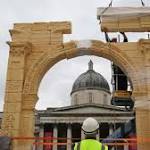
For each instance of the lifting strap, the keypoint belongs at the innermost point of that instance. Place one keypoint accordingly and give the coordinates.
(143, 4)
(110, 4)
(78, 146)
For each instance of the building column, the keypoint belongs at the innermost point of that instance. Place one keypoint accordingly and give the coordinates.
(111, 130)
(69, 137)
(126, 147)
(41, 135)
(97, 135)
(55, 136)
(82, 135)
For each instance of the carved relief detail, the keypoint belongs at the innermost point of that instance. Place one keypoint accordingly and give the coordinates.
(20, 48)
(145, 49)
(9, 119)
(145, 46)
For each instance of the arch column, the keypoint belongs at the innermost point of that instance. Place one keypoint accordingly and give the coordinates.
(27, 125)
(142, 102)
(11, 122)
(143, 128)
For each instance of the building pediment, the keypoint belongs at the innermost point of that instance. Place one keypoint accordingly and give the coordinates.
(91, 109)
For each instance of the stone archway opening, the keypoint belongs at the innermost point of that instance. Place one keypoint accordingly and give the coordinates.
(68, 68)
(56, 85)
(53, 82)
(64, 89)
(77, 49)
(71, 50)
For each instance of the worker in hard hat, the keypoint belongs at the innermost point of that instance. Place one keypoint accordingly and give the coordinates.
(90, 128)
(114, 40)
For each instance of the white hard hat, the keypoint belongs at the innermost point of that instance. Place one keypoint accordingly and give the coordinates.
(90, 126)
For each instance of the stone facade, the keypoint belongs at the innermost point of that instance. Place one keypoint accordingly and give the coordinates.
(64, 124)
(90, 96)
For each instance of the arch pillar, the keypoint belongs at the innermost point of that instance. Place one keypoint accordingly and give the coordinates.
(142, 109)
(27, 120)
(14, 88)
(143, 128)
(142, 97)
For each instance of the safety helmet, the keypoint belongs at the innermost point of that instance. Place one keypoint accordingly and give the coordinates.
(90, 126)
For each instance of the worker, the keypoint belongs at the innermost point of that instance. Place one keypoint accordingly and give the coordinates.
(125, 39)
(90, 128)
(108, 39)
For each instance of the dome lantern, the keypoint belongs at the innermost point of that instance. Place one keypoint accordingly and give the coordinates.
(90, 65)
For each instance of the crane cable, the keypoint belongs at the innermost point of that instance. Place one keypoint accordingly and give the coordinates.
(110, 5)
(111, 2)
(143, 4)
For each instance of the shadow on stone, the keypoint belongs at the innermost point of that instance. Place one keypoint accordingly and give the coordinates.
(5, 143)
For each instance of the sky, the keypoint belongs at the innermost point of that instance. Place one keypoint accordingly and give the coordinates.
(55, 87)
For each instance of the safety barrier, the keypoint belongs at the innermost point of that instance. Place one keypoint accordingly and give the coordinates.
(114, 142)
(48, 142)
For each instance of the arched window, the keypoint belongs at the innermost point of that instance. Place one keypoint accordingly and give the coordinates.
(105, 99)
(76, 99)
(90, 97)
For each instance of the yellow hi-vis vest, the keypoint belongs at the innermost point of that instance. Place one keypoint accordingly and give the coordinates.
(90, 144)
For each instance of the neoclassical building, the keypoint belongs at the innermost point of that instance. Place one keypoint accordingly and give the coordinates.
(90, 97)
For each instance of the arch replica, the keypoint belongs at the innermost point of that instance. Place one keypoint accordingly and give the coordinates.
(36, 47)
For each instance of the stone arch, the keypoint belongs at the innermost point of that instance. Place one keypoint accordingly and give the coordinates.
(74, 49)
(28, 63)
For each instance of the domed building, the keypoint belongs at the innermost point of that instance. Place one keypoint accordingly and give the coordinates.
(90, 97)
(90, 88)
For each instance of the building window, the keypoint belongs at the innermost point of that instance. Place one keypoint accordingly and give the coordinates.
(76, 99)
(90, 97)
(105, 99)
